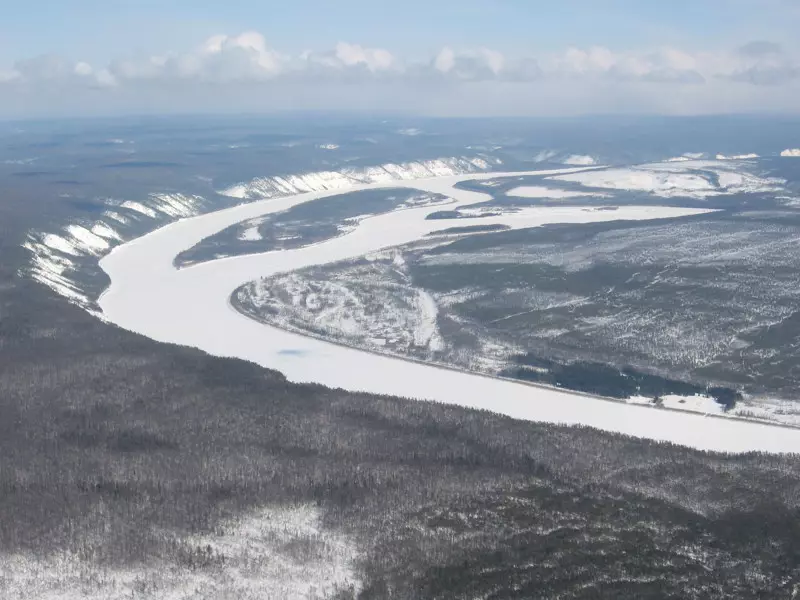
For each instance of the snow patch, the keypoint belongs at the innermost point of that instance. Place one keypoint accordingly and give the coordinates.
(49, 266)
(791, 153)
(85, 240)
(277, 552)
(139, 208)
(288, 185)
(737, 157)
(544, 155)
(426, 334)
(251, 233)
(535, 191)
(579, 160)
(102, 230)
(176, 205)
(698, 403)
(56, 242)
(693, 179)
(116, 217)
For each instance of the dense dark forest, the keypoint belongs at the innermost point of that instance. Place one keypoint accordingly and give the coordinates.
(604, 380)
(121, 451)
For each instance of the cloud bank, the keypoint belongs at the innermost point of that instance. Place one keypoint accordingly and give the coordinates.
(243, 72)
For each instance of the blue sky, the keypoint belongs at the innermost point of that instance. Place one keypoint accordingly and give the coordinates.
(100, 29)
(629, 41)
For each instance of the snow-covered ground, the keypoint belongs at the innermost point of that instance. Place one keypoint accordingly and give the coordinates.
(699, 403)
(691, 178)
(686, 156)
(791, 153)
(538, 191)
(191, 307)
(251, 232)
(276, 552)
(580, 159)
(375, 308)
(737, 156)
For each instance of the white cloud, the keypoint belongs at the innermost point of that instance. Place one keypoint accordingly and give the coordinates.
(445, 61)
(83, 69)
(763, 63)
(661, 65)
(245, 69)
(247, 57)
(8, 76)
(478, 64)
(375, 59)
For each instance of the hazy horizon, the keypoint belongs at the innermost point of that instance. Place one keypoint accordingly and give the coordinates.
(509, 58)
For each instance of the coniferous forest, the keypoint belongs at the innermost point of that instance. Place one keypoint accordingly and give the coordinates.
(120, 455)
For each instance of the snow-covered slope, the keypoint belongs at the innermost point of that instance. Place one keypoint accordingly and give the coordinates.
(287, 185)
(791, 153)
(58, 258)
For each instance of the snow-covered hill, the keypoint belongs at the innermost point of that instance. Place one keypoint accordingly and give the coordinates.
(60, 258)
(288, 185)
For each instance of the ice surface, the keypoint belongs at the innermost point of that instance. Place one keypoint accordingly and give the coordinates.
(191, 307)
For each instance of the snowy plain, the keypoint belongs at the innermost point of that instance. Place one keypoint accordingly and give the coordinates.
(538, 191)
(191, 306)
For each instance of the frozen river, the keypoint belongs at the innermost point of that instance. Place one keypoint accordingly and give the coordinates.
(190, 306)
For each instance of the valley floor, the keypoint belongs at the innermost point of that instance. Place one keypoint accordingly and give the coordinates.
(191, 307)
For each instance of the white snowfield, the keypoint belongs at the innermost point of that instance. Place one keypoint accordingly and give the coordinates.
(791, 153)
(679, 178)
(191, 306)
(580, 159)
(537, 191)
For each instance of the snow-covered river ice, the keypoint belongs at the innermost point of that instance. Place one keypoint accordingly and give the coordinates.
(191, 306)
